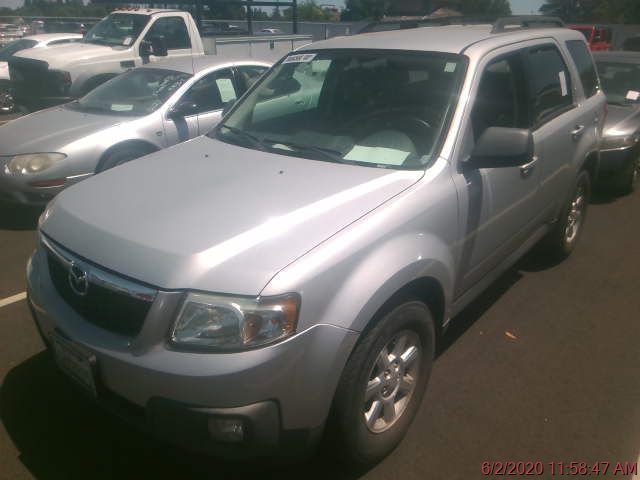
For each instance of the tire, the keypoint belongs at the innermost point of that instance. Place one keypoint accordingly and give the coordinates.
(120, 156)
(627, 179)
(361, 427)
(562, 239)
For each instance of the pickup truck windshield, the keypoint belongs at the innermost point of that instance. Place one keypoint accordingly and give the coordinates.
(620, 82)
(135, 93)
(117, 29)
(384, 109)
(15, 47)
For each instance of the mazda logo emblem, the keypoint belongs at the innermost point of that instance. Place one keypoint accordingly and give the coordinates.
(78, 280)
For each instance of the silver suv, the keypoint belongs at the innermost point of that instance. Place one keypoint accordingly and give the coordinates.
(288, 275)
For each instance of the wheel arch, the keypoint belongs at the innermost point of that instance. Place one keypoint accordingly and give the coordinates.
(148, 147)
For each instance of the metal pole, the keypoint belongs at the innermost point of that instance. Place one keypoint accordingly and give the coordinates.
(199, 15)
(294, 16)
(249, 17)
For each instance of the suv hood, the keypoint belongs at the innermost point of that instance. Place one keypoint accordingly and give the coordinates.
(211, 216)
(60, 57)
(622, 120)
(56, 128)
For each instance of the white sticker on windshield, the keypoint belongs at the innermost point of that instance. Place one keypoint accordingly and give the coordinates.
(563, 84)
(127, 41)
(378, 155)
(300, 58)
(633, 95)
(121, 108)
(450, 67)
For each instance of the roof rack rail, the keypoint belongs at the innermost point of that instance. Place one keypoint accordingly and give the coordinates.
(499, 24)
(517, 22)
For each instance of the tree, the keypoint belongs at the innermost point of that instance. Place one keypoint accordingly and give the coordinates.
(486, 7)
(361, 9)
(308, 11)
(603, 11)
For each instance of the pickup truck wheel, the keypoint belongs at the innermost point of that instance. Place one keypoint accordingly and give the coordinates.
(382, 385)
(562, 239)
(628, 178)
(120, 156)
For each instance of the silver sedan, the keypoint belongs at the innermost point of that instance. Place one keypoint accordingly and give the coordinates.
(137, 113)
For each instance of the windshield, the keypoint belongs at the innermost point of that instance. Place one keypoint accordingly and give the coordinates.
(135, 93)
(374, 108)
(117, 29)
(620, 82)
(14, 47)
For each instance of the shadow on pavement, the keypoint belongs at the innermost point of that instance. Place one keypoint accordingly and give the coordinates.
(19, 217)
(61, 434)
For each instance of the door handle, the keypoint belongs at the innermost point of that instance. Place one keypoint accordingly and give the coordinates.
(577, 132)
(527, 168)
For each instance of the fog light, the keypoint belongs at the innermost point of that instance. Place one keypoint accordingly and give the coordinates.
(229, 430)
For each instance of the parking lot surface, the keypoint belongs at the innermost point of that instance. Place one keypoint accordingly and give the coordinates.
(542, 367)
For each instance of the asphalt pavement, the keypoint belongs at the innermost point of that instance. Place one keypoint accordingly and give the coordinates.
(544, 367)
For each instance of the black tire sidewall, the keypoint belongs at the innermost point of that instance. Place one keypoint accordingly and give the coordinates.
(358, 445)
(118, 157)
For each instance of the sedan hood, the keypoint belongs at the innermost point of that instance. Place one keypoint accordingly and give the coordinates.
(60, 57)
(54, 128)
(210, 216)
(622, 120)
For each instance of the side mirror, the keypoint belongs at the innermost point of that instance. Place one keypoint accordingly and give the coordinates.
(183, 109)
(156, 46)
(159, 46)
(502, 147)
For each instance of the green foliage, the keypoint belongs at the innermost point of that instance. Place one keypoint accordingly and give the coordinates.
(361, 9)
(308, 11)
(603, 11)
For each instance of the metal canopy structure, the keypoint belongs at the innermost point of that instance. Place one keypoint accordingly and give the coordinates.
(248, 4)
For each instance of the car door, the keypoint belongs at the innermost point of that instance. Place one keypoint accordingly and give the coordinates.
(556, 120)
(175, 33)
(499, 206)
(207, 96)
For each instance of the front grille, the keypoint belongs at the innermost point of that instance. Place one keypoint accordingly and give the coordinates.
(113, 307)
(32, 79)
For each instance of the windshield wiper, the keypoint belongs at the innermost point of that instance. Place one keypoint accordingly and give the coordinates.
(326, 153)
(255, 141)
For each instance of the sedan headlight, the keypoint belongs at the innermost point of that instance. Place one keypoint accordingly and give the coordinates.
(33, 162)
(619, 141)
(213, 322)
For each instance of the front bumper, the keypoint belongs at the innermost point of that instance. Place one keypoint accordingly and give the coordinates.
(282, 392)
(16, 188)
(615, 161)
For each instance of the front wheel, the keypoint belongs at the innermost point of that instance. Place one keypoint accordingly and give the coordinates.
(627, 179)
(382, 385)
(562, 239)
(120, 156)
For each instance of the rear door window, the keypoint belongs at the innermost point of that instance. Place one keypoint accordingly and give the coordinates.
(586, 68)
(549, 84)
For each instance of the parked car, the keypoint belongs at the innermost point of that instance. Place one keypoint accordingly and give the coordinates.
(136, 113)
(34, 41)
(598, 37)
(122, 40)
(620, 153)
(9, 33)
(289, 275)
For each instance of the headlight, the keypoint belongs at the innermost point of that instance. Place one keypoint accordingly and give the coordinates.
(620, 141)
(213, 322)
(33, 162)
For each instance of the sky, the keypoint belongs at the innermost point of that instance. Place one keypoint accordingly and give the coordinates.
(518, 6)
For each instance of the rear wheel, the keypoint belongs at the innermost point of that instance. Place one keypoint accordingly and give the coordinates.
(564, 236)
(382, 385)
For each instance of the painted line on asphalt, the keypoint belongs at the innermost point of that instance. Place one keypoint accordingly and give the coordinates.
(13, 299)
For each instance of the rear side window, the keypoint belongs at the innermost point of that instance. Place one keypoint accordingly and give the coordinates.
(586, 68)
(549, 84)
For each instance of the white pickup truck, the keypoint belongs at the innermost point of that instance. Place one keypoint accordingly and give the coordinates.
(122, 40)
